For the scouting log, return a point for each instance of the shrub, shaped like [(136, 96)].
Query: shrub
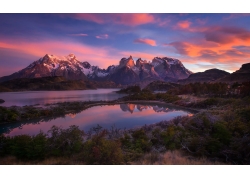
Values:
[(65, 141), (99, 150)]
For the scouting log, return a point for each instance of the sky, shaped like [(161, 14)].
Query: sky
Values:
[(199, 41)]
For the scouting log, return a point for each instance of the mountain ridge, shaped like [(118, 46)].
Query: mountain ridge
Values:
[(126, 72), (210, 75), (241, 75)]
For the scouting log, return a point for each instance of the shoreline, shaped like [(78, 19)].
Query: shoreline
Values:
[(76, 107)]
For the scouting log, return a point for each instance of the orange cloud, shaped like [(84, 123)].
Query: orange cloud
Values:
[(103, 57), (229, 56), (124, 19), (184, 24), (96, 56), (150, 42)]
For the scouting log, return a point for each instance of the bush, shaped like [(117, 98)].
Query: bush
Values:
[(99, 150), (65, 141), (24, 146)]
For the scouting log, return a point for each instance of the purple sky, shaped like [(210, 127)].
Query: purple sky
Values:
[(200, 41)]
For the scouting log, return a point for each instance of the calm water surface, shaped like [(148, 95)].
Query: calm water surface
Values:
[(121, 115), (48, 97)]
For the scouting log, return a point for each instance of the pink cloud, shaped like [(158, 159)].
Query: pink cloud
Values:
[(102, 36), (227, 35), (103, 57), (124, 19), (184, 24), (150, 42)]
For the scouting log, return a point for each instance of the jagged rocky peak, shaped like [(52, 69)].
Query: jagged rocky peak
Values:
[(139, 62), (71, 57), (171, 61), (86, 65), (128, 71), (110, 68), (127, 62)]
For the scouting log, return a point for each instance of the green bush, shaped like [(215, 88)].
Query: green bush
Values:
[(99, 150), (65, 141), (171, 138), (141, 142), (24, 146)]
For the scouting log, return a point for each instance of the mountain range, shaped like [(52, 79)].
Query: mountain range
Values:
[(126, 72)]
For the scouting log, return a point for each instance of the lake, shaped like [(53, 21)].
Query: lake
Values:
[(121, 115), (48, 97)]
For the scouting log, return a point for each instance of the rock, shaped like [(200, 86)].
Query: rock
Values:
[(2, 101)]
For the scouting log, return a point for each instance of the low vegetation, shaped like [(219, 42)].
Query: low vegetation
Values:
[(137, 94), (16, 114), (218, 134), (212, 137)]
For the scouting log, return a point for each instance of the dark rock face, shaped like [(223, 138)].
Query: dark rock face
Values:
[(210, 75), (165, 69), (124, 75), (241, 75), (169, 68), (245, 68)]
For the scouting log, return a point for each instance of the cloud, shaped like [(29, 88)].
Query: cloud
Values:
[(150, 42), (127, 19), (204, 51), (184, 24), (102, 36), (94, 55), (31, 51), (226, 35), (181, 47), (80, 34)]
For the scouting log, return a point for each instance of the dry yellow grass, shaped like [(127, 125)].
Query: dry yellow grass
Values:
[(173, 158)]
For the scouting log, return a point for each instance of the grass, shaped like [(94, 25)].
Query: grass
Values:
[(176, 157), (173, 158)]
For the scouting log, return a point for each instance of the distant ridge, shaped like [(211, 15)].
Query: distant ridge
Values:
[(241, 75), (210, 75)]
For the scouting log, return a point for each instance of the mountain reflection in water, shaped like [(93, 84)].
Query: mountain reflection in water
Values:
[(121, 115), (131, 108)]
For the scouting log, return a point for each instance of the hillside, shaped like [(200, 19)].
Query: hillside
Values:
[(52, 83), (241, 75), (210, 75)]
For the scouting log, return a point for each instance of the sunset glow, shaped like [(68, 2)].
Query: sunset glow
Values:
[(200, 41)]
